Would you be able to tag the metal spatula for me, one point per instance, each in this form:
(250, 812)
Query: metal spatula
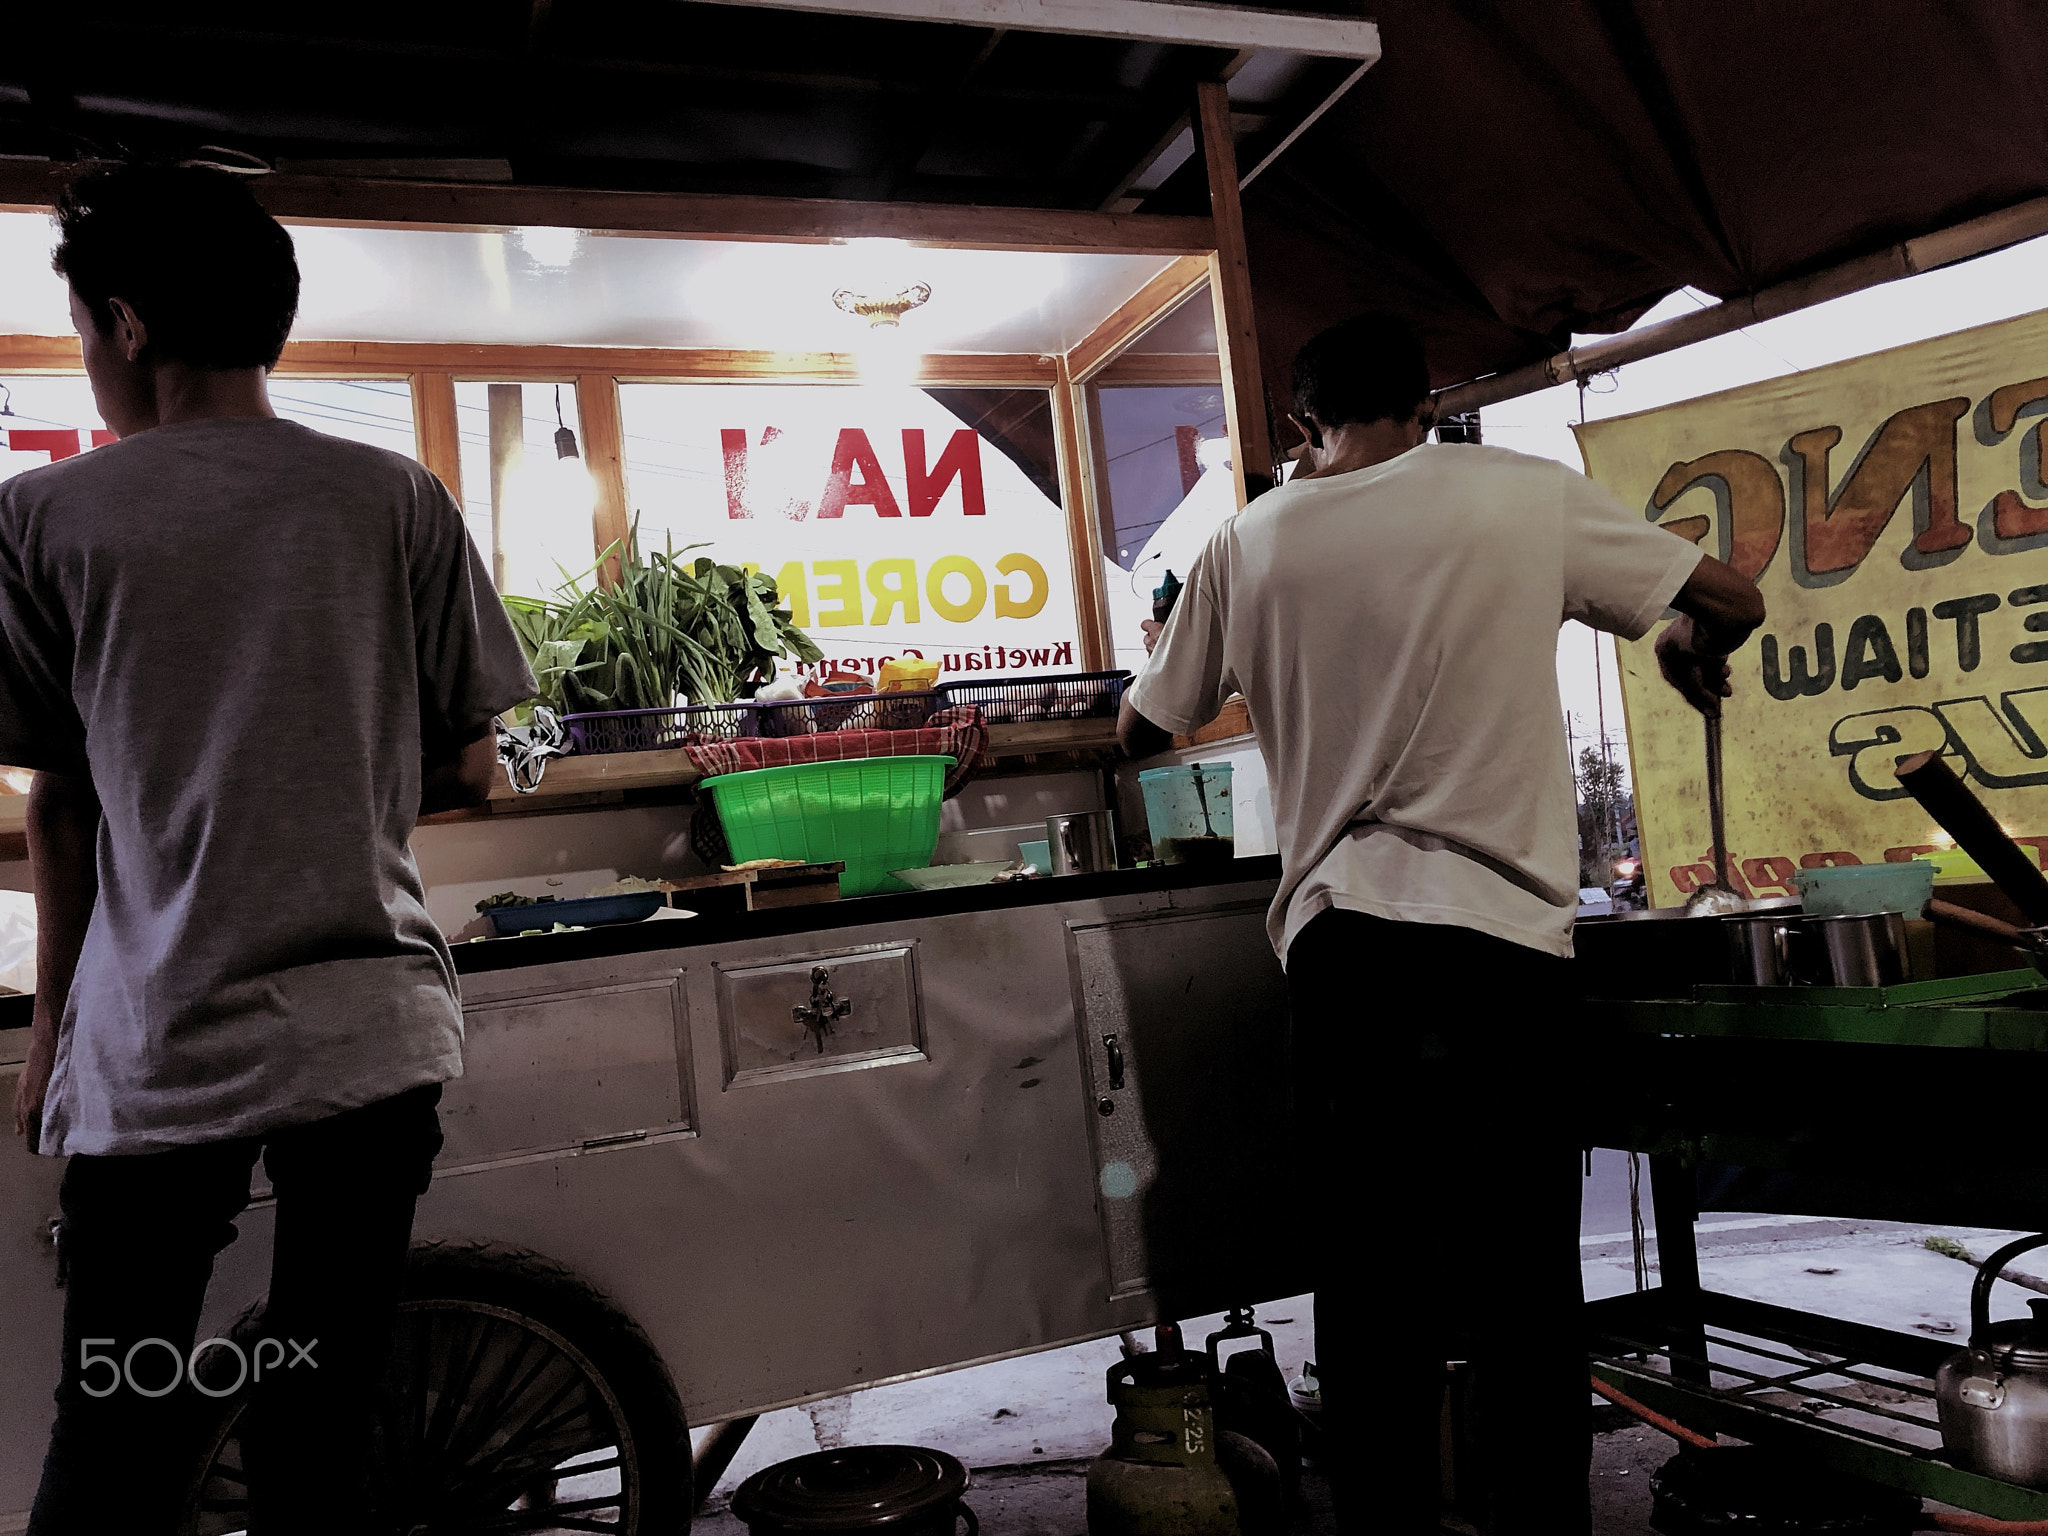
(1718, 898)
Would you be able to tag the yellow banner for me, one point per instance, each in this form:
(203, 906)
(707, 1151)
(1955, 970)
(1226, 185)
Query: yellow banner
(1894, 513)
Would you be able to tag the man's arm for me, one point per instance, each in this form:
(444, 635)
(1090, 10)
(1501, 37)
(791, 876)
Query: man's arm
(1138, 736)
(459, 776)
(63, 842)
(1718, 608)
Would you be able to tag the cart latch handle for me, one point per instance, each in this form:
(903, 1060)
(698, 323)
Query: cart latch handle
(823, 1009)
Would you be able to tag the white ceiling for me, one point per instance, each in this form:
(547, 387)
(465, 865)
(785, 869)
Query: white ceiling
(556, 287)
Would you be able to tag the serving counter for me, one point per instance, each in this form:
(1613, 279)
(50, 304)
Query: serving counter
(804, 1150)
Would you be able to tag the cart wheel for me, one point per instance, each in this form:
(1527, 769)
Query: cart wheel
(518, 1401)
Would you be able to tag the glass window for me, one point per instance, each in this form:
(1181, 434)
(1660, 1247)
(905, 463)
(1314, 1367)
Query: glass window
(528, 505)
(1159, 437)
(374, 411)
(895, 520)
(43, 419)
(47, 418)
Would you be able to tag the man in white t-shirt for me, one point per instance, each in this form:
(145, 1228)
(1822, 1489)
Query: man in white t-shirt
(1391, 618)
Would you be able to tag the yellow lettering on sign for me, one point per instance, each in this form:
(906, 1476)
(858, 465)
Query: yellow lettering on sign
(894, 584)
(791, 587)
(845, 591)
(1010, 607)
(935, 588)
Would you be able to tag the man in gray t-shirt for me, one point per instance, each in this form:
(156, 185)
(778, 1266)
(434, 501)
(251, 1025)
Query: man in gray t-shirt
(243, 658)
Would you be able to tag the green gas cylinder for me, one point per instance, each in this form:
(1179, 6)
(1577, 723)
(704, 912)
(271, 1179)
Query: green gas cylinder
(1160, 1475)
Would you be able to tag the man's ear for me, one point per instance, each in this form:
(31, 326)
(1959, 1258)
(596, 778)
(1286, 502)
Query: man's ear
(130, 334)
(1309, 435)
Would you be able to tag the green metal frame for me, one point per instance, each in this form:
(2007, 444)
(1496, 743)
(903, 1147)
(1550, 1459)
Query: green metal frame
(1653, 1346)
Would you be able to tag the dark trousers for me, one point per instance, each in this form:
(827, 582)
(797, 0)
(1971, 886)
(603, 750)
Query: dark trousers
(139, 1237)
(1438, 1086)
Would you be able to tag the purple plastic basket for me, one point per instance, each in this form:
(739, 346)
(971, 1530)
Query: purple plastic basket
(651, 730)
(1063, 696)
(901, 711)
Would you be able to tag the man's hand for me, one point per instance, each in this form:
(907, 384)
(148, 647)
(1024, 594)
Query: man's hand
(63, 849)
(1151, 629)
(459, 775)
(1719, 608)
(1702, 677)
(34, 1082)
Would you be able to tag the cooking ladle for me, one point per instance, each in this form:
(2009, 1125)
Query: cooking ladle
(1718, 898)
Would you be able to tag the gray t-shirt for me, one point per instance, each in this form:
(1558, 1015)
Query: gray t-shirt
(247, 633)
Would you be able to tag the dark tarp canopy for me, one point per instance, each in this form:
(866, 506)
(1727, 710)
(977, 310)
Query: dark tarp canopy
(1508, 172)
(1512, 171)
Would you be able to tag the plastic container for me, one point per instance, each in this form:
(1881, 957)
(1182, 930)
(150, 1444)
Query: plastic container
(847, 712)
(1188, 812)
(907, 674)
(1953, 864)
(1023, 700)
(1855, 890)
(877, 813)
(577, 912)
(652, 730)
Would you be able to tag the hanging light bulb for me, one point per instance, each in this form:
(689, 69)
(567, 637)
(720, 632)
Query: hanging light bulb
(565, 435)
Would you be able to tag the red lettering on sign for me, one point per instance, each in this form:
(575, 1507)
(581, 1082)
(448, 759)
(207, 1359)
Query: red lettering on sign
(734, 441)
(58, 443)
(961, 460)
(850, 453)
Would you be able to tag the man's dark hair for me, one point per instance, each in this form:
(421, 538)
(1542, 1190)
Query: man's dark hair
(1368, 368)
(207, 270)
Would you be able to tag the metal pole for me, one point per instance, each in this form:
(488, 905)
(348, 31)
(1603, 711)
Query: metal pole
(1976, 237)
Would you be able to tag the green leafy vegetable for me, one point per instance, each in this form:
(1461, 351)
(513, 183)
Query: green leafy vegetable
(709, 632)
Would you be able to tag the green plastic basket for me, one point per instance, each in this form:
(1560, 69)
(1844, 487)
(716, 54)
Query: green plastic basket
(877, 813)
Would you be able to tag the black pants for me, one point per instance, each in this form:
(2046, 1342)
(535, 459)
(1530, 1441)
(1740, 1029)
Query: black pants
(139, 1237)
(1439, 1089)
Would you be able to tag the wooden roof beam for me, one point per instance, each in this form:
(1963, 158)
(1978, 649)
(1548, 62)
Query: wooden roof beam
(32, 184)
(1182, 22)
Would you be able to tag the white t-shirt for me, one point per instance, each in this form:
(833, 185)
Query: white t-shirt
(1394, 632)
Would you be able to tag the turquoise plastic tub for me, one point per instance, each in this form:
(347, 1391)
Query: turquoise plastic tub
(1188, 813)
(877, 813)
(1859, 890)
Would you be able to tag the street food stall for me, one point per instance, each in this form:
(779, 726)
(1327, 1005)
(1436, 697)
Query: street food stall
(701, 1167)
(683, 1184)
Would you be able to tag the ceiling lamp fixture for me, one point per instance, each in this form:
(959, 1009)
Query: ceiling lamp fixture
(879, 312)
(565, 435)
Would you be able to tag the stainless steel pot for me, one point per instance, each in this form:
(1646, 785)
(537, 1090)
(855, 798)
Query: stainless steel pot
(1993, 1396)
(1761, 948)
(1082, 842)
(1868, 950)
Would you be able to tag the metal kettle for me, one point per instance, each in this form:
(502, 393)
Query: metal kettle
(1993, 1396)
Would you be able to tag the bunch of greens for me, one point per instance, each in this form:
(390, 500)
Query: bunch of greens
(667, 626)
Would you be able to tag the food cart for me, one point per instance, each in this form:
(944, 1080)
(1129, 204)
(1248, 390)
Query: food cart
(667, 1201)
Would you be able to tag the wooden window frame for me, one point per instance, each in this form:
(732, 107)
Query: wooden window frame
(1200, 250)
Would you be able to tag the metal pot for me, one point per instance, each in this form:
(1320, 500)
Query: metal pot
(1993, 1396)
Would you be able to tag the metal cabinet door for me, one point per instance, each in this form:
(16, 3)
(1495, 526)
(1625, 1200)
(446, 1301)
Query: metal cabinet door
(1183, 1020)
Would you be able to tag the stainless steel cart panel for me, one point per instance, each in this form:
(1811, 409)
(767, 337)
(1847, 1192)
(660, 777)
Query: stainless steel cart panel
(785, 1228)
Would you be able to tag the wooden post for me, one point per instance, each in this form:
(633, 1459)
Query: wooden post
(438, 444)
(508, 451)
(1083, 543)
(1230, 289)
(604, 451)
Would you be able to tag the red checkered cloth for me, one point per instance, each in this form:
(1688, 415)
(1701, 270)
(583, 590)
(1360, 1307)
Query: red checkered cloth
(957, 732)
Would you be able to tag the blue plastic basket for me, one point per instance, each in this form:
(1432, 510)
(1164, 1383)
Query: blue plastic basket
(903, 711)
(1064, 696)
(651, 730)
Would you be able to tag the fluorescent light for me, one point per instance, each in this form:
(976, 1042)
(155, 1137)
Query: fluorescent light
(548, 246)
